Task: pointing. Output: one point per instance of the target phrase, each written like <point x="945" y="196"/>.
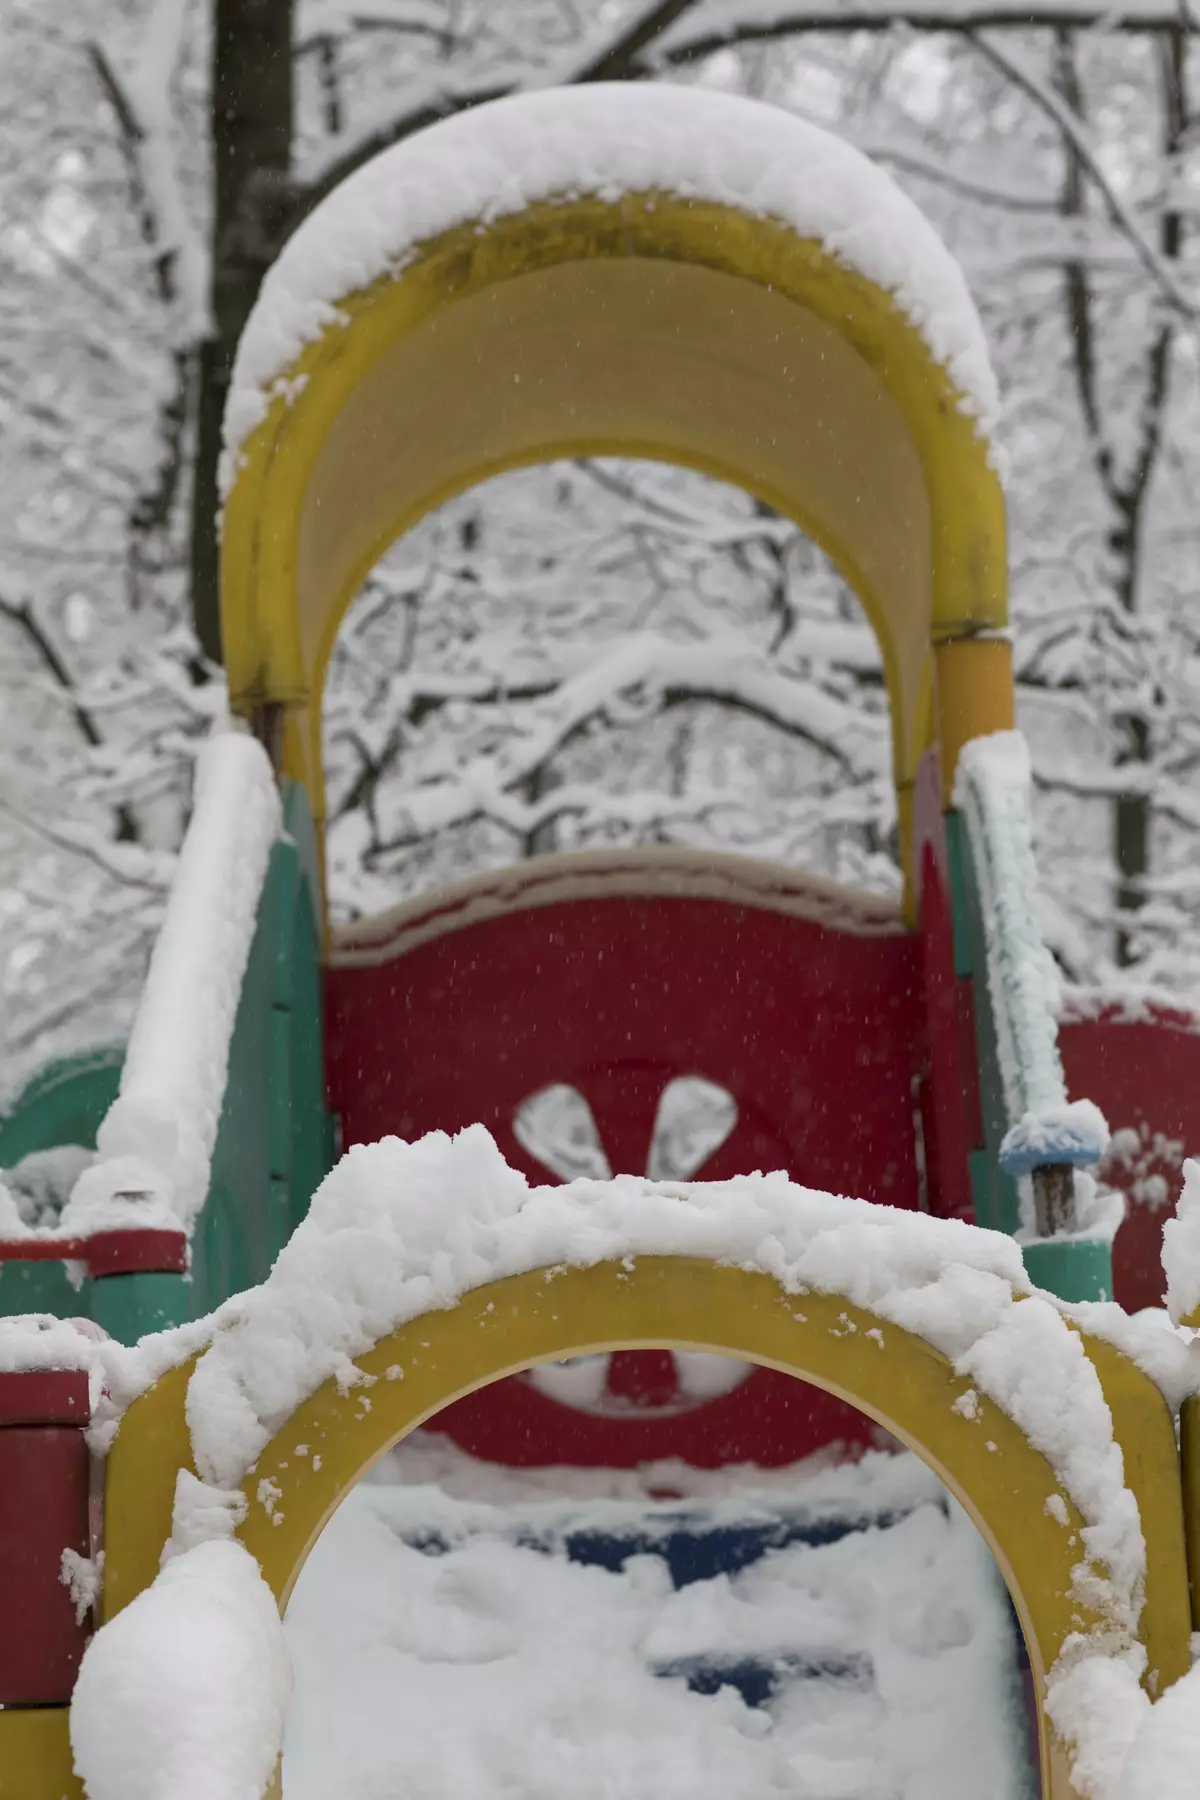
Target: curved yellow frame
<point x="679" y="1303"/>
<point x="650" y="325"/>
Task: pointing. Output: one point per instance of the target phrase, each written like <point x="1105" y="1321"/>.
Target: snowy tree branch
<point x="1043" y="96"/>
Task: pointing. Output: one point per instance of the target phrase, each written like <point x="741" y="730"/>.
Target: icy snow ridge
<point x="606" y="139"/>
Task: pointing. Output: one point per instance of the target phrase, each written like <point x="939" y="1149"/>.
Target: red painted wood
<point x="43" y="1510"/>
<point x="150" y="1252"/>
<point x="1144" y="1075"/>
<point x="44" y="1397"/>
<point x="137" y="1253"/>
<point x="771" y="1420"/>
<point x="815" y="1032"/>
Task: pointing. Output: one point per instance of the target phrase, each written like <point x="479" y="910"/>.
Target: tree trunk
<point x="1128" y="490"/>
<point x="251" y="127"/>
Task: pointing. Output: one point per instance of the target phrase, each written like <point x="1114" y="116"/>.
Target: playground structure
<point x="628" y="297"/>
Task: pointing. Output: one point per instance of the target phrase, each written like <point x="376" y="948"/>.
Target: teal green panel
<point x="281" y="1094"/>
<point x="298" y="824"/>
<point x="957" y="855"/>
<point x="980" y="1171"/>
<point x="132" y="1306"/>
<point x="43" y="1287"/>
<point x="997" y="1205"/>
<point x="64" y="1104"/>
<point x="1072" y="1268"/>
<point x="231" y="1248"/>
<point x="312" y="1154"/>
<point x="281" y="1214"/>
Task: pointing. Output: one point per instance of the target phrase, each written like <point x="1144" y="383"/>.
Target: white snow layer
<point x="494" y="160"/>
<point x="495" y="1670"/>
<point x="183" y="1695"/>
<point x="156" y="1142"/>
<point x="992" y="791"/>
<point x="1181" y="1249"/>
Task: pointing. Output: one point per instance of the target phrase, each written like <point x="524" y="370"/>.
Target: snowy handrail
<point x="156" y="1142"/>
<point x="992" y="792"/>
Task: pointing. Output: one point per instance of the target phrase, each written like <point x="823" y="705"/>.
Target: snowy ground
<point x="446" y="1644"/>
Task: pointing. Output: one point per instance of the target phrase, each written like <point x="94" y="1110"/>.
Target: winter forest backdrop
<point x="594" y="652"/>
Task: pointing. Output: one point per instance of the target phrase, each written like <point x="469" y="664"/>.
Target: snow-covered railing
<point x="156" y="1142"/>
<point x="1046" y="1136"/>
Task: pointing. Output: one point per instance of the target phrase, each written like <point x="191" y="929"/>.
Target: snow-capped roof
<point x="605" y="140"/>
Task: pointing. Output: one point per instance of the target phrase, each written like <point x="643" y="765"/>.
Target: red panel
<point x="43" y="1510"/>
<point x="1144" y="1075"/>
<point x="136" y="1252"/>
<point x="44" y="1397"/>
<point x="814" y="1032"/>
<point x="771" y="1421"/>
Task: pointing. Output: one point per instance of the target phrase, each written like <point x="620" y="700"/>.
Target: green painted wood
<point x="63" y="1104"/>
<point x="275" y="1139"/>
<point x="997" y="1206"/>
<point x="313" y="1151"/>
<point x="1072" y="1268"/>
<point x="44" y="1287"/>
<point x="131" y="1306"/>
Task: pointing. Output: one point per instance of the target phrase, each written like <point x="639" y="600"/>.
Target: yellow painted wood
<point x="35" y="1754"/>
<point x="1145" y="1430"/>
<point x="151" y="1446"/>
<point x="649" y="325"/>
<point x="1189" y="1450"/>
<point x="975" y="697"/>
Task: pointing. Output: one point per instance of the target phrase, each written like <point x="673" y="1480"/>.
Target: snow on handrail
<point x="156" y="1142"/>
<point x="992" y="792"/>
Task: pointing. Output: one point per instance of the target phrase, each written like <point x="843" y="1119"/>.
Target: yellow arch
<point x="648" y="325"/>
<point x="681" y="1303"/>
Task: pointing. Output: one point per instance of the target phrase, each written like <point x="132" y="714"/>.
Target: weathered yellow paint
<point x="150" y="1448"/>
<point x="1189" y="1450"/>
<point x="975" y="696"/>
<point x="35" y="1754"/>
<point x="649" y="325"/>
<point x="681" y="1303"/>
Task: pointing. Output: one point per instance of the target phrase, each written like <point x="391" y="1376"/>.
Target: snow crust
<point x="183" y="1695"/>
<point x="1181" y="1249"/>
<point x="488" y="1665"/>
<point x="40" y="1341"/>
<point x="1073" y="1133"/>
<point x="155" y="1144"/>
<point x="607" y="139"/>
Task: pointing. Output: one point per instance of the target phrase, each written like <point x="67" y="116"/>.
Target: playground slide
<point x="241" y="1352"/>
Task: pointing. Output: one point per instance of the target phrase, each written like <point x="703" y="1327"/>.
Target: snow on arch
<point x="611" y="138"/>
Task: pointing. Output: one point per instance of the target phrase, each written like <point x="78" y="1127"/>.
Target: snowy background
<point x="1057" y="161"/>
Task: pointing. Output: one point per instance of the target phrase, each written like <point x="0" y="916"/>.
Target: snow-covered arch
<point x="650" y="271"/>
<point x="427" y="1270"/>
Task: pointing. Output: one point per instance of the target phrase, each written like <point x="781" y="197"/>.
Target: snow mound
<point x="183" y="1695"/>
<point x="1181" y="1249"/>
<point x="490" y="1667"/>
<point x="606" y="139"/>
